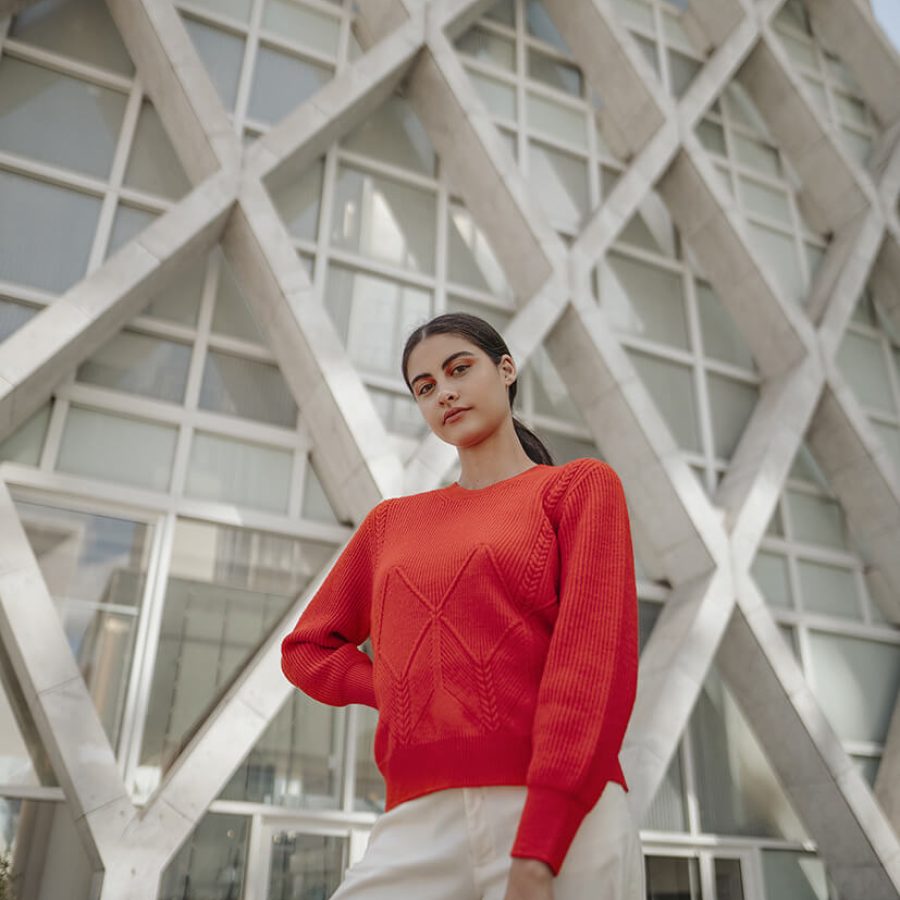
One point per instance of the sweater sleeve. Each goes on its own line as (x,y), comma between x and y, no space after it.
(321,655)
(589,681)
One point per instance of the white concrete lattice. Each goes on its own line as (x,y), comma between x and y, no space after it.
(705,554)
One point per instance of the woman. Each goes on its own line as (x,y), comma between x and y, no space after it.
(503,617)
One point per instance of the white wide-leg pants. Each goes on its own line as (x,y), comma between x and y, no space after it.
(454,844)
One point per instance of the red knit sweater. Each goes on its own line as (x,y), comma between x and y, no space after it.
(505,641)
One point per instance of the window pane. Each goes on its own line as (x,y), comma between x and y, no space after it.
(23,761)
(282,82)
(712,137)
(297,762)
(385,220)
(25,443)
(316,505)
(57,119)
(791,875)
(554,73)
(503,11)
(238,472)
(779,252)
(140,364)
(489,47)
(766,201)
(729,884)
(556,121)
(13,316)
(47,856)
(639,13)
(227,588)
(756,155)
(860,146)
(672,387)
(232,316)
(731,405)
(671,878)
(373,316)
(211,863)
(856,682)
(829,589)
(222,54)
(395,134)
(247,388)
(682,70)
(95,569)
(499,97)
(737,789)
(667,811)
(399,413)
(540,25)
(799,50)
(550,396)
(46,232)
(771,574)
(817,520)
(179,301)
(153,165)
(314,860)
(115,448)
(863,364)
(370,789)
(80,29)
(721,337)
(560,182)
(471,261)
(128,223)
(236,9)
(293,20)
(645,300)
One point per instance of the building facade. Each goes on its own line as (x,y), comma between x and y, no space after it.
(219,219)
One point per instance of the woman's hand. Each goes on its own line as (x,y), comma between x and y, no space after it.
(529,879)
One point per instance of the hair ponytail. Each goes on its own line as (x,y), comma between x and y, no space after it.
(485,336)
(532,444)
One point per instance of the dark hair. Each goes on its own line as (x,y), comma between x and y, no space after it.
(485,336)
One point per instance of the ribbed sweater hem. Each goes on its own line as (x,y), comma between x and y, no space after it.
(477,761)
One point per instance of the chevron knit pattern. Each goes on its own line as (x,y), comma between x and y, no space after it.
(504,629)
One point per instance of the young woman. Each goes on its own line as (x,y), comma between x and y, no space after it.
(503,617)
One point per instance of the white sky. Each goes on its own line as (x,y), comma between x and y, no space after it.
(888,14)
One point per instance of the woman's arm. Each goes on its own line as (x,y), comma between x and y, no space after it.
(589,682)
(321,655)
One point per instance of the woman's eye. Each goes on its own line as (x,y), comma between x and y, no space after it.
(424,389)
(461,366)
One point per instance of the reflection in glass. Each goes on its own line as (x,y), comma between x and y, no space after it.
(94,567)
(227,588)
(394,134)
(47,858)
(298,760)
(729,884)
(153,165)
(212,863)
(671,878)
(792,875)
(282,82)
(385,220)
(471,261)
(305,866)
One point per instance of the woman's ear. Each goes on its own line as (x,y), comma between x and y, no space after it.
(507,369)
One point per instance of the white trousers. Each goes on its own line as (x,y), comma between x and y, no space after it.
(454,844)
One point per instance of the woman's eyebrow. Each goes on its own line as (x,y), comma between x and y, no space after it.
(449,359)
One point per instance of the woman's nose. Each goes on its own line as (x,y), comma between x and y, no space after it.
(447,394)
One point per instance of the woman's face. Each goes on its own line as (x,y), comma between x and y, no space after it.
(458,388)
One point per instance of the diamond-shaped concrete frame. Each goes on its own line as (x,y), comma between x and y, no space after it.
(714,605)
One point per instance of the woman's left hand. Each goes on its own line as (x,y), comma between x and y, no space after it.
(529,879)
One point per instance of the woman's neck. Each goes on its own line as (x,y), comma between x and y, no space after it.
(500,456)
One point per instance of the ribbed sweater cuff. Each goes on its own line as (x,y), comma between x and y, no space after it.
(548,825)
(359,683)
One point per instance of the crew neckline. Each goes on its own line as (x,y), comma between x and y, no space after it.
(458,487)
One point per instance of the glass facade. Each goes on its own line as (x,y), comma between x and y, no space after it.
(168,484)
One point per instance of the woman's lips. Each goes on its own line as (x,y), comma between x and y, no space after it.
(452,417)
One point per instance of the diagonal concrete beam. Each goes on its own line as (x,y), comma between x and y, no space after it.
(865,49)
(838,810)
(48,347)
(631,113)
(832,190)
(179,85)
(351,451)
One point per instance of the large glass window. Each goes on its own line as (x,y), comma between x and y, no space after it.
(226,590)
(95,568)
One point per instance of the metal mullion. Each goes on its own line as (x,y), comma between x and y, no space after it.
(248,65)
(134,406)
(442,243)
(474,295)
(53,437)
(489,69)
(116,176)
(370,266)
(299,51)
(248,430)
(51,174)
(541,137)
(699,373)
(233,346)
(749,377)
(142,200)
(195,375)
(662,351)
(66,65)
(137,696)
(27,294)
(348,779)
(520,74)
(641,254)
(323,230)
(207,16)
(299,466)
(371,166)
(688,776)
